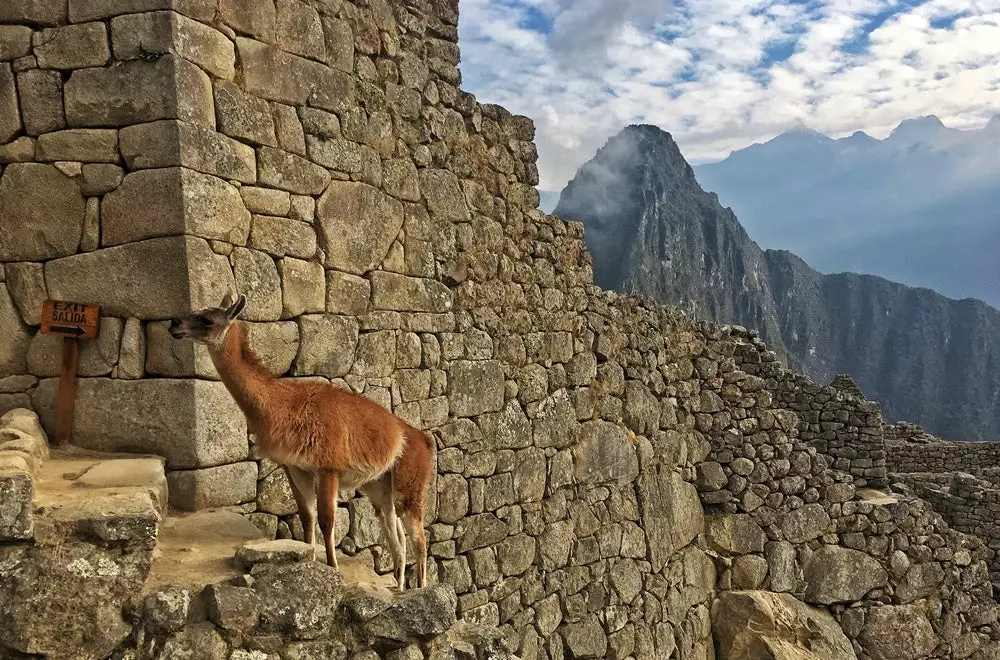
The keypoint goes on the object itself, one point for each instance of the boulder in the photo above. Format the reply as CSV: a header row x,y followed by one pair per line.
x,y
41,213
760,624
670,513
138,36
735,534
415,615
919,581
605,453
17,337
805,523
223,485
835,574
900,632
358,224
298,600
166,611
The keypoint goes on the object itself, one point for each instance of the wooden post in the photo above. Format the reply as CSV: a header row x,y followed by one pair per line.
x,y
67,389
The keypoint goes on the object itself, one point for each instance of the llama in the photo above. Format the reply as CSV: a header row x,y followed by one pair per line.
x,y
326,439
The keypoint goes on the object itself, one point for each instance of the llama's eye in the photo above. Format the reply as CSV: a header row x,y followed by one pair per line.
x,y
205,320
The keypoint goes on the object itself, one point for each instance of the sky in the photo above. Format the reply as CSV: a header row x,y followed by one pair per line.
x,y
720,75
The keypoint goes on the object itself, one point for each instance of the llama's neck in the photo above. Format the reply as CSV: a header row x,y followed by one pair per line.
x,y
243,374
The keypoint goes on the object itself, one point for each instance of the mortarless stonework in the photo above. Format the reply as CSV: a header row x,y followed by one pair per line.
x,y
604,465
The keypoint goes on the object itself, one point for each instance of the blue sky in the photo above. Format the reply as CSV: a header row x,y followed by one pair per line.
x,y
723,74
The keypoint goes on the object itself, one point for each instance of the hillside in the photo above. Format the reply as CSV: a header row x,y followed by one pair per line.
x,y
652,228
918,207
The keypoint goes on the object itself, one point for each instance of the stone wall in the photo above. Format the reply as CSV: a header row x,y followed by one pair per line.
x,y
320,157
910,449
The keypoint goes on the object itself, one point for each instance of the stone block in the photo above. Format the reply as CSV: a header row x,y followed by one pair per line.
x,y
16,511
100,178
137,36
288,128
41,93
192,423
224,485
339,44
376,354
299,30
17,337
346,294
282,237
180,144
605,453
340,155
280,169
319,123
303,285
34,12
805,523
358,224
670,513
444,195
26,284
276,344
399,178
132,279
97,356
170,202
15,42
274,75
84,145
266,201
327,345
243,116
90,10
232,608
10,116
257,279
146,473
299,600
256,18
140,91
409,294
21,150
897,633
475,387
835,574
41,213
166,356
73,46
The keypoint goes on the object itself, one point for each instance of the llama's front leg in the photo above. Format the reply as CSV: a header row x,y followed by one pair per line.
x,y
329,483
303,485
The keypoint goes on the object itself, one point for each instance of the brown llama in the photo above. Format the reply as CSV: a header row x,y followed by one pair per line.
x,y
326,439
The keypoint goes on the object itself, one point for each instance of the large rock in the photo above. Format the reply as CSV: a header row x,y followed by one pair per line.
x,y
171,202
10,115
274,75
444,195
327,345
224,485
919,581
97,357
140,35
17,337
760,624
274,494
475,387
299,600
735,534
409,294
41,12
358,224
604,453
160,278
805,523
15,42
172,143
840,575
140,91
41,213
73,46
897,633
257,277
192,423
670,512
416,615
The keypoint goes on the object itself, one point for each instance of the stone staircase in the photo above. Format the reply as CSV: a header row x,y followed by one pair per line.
x,y
94,564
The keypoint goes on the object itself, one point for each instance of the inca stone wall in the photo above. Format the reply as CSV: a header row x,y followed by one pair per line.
x,y
320,157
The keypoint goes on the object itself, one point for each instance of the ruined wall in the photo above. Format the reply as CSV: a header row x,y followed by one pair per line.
x,y
320,158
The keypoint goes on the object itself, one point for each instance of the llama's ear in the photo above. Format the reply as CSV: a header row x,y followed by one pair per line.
x,y
237,308
227,302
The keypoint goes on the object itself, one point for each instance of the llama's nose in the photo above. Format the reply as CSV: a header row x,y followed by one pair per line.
x,y
175,323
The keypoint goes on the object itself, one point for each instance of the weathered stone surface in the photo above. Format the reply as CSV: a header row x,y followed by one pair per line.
x,y
444,196
232,608
156,33
266,201
399,177
26,284
89,10
224,485
288,129
41,95
299,30
254,17
166,356
586,639
283,551
897,633
276,344
327,345
10,116
299,600
376,354
97,357
73,46
287,171
21,150
736,534
15,42
100,178
781,565
417,614
919,581
85,145
278,76
41,12
303,286
128,280
480,531
604,453
172,143
749,572
671,513
508,429
319,123
274,494
805,523
257,278
200,640
192,423
140,91
409,294
173,201
166,611
16,515
346,294
282,237
358,224
243,116
132,356
41,213
145,473
475,387
835,574
341,155
758,624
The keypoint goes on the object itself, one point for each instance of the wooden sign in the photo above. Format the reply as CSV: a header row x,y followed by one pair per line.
x,y
70,319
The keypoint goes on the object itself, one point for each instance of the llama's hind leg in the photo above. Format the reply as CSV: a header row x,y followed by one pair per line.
x,y
303,485
327,500
380,494
414,520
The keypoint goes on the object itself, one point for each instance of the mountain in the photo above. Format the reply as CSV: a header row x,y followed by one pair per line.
x,y
652,229
920,206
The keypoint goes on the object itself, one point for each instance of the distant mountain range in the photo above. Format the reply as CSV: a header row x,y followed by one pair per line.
x,y
652,228
921,206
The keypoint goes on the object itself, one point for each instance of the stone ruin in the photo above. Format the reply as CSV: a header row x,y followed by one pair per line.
x,y
613,480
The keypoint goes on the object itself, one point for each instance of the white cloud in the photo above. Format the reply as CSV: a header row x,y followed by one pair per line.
x,y
721,74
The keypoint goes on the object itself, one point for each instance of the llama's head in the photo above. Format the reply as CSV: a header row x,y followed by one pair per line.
x,y
209,326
